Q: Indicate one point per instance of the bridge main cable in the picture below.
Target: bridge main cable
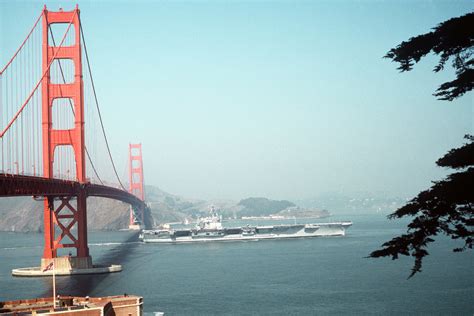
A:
(97, 105)
(22, 44)
(72, 109)
(38, 84)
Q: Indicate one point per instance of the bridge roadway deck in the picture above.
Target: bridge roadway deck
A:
(20, 185)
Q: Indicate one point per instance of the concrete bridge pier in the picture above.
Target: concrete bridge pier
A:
(66, 265)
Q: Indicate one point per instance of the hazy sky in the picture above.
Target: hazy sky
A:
(281, 99)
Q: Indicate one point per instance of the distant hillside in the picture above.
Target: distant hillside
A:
(167, 207)
(21, 214)
(362, 202)
(24, 214)
(262, 206)
(304, 212)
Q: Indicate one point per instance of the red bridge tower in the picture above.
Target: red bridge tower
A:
(136, 184)
(68, 220)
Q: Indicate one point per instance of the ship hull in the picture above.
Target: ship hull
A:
(251, 233)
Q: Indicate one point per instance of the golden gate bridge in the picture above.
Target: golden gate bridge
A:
(47, 148)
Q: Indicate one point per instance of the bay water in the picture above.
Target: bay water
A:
(311, 276)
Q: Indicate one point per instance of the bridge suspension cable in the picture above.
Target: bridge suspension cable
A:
(97, 106)
(18, 86)
(36, 86)
(16, 81)
(72, 109)
(22, 44)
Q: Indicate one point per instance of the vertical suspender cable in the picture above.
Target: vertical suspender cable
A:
(97, 105)
(73, 112)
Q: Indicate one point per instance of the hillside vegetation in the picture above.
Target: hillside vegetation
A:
(259, 206)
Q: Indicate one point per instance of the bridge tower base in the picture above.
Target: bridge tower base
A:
(67, 268)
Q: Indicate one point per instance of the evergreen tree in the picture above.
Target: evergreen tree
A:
(451, 40)
(448, 206)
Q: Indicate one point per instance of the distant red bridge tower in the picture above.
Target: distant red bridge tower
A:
(136, 184)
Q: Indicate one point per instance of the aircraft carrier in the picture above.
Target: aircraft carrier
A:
(210, 229)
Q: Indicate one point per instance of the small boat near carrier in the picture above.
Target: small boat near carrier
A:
(211, 229)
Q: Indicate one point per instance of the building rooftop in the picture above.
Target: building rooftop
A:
(73, 305)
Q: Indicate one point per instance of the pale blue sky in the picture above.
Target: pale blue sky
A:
(281, 99)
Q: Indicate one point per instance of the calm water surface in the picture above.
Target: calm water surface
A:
(313, 276)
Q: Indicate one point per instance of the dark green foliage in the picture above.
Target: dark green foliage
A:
(447, 207)
(452, 39)
(262, 206)
(459, 157)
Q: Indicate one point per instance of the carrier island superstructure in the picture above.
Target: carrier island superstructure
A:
(211, 229)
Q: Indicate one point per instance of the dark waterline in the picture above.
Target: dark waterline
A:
(284, 277)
